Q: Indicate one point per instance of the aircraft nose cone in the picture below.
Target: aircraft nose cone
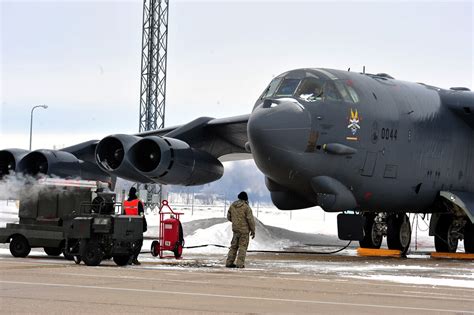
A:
(276, 130)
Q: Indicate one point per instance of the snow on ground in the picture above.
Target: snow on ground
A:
(277, 230)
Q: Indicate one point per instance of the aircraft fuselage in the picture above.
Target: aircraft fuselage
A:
(394, 145)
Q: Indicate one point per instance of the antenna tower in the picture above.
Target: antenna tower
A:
(153, 77)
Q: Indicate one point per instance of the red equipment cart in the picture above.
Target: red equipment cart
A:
(171, 233)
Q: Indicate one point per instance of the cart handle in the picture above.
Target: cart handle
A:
(165, 203)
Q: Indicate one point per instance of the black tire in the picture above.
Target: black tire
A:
(399, 232)
(371, 239)
(122, 260)
(155, 248)
(444, 242)
(177, 250)
(469, 238)
(52, 251)
(92, 255)
(19, 246)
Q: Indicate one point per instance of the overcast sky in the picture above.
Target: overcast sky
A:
(82, 58)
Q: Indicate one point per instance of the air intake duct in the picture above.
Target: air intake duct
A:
(60, 164)
(112, 156)
(172, 161)
(9, 160)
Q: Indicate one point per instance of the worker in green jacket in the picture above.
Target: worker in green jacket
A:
(243, 224)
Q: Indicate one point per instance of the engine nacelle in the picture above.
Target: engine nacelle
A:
(112, 153)
(61, 164)
(9, 160)
(172, 161)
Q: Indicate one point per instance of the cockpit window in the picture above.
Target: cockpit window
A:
(347, 91)
(313, 89)
(270, 90)
(288, 87)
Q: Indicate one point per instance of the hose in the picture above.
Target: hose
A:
(278, 251)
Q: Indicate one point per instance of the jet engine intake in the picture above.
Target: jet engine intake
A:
(9, 160)
(172, 161)
(112, 156)
(59, 163)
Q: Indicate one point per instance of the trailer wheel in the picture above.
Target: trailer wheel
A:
(469, 238)
(52, 251)
(178, 250)
(92, 255)
(19, 246)
(121, 260)
(155, 248)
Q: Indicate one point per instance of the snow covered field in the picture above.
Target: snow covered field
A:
(280, 230)
(276, 230)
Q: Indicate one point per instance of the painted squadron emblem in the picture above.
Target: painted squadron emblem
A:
(354, 122)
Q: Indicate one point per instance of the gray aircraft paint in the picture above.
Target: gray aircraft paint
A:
(311, 155)
(433, 150)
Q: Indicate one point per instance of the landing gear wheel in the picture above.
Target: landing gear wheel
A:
(52, 251)
(92, 254)
(399, 232)
(445, 240)
(469, 238)
(19, 246)
(155, 248)
(372, 239)
(178, 250)
(121, 260)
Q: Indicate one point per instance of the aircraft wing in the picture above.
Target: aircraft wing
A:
(223, 138)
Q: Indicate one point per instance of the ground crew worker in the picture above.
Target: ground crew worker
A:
(243, 223)
(133, 206)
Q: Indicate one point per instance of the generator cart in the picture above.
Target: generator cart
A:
(43, 207)
(171, 233)
(98, 233)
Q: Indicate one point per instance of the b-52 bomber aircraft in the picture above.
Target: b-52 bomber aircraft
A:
(367, 145)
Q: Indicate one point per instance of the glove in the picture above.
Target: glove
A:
(252, 234)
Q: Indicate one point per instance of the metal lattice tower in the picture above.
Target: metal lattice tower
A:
(153, 68)
(153, 74)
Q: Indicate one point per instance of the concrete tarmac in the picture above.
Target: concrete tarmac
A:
(200, 284)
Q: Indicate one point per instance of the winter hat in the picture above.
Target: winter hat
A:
(132, 192)
(243, 196)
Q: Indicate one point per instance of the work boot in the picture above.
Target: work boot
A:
(230, 266)
(239, 266)
(136, 262)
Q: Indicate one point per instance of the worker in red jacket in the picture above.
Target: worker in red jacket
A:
(134, 206)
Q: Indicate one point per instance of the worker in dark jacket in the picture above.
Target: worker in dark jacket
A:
(134, 206)
(243, 223)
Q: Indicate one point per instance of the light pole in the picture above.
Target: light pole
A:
(31, 120)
